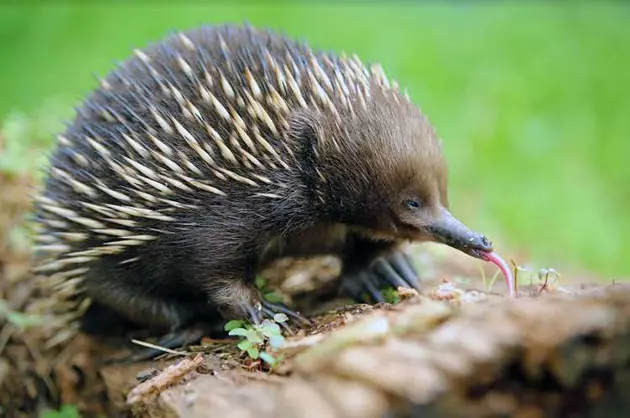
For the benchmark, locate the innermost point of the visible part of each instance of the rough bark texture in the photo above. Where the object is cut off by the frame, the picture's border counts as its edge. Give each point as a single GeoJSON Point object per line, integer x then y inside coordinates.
{"type": "Point", "coordinates": [554, 355]}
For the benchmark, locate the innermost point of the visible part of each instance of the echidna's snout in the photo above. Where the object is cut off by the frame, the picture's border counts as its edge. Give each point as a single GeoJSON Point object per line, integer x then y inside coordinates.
{"type": "Point", "coordinates": [450, 231]}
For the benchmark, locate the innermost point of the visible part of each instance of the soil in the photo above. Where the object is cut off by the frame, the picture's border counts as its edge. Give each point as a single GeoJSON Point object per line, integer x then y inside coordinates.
{"type": "Point", "coordinates": [455, 349]}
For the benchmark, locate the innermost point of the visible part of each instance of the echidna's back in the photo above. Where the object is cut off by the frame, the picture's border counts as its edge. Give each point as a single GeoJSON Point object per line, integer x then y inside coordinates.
{"type": "Point", "coordinates": [188, 125]}
{"type": "Point", "coordinates": [190, 129]}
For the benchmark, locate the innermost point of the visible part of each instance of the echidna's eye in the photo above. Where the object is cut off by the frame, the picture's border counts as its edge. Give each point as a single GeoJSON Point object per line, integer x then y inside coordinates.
{"type": "Point", "coordinates": [413, 204]}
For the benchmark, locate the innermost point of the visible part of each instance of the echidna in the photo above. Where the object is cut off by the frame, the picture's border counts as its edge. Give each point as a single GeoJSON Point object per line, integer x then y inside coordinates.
{"type": "Point", "coordinates": [204, 157]}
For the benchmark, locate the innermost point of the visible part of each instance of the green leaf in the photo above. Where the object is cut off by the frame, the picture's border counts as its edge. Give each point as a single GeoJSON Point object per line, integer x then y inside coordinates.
{"type": "Point", "coordinates": [266, 322]}
{"type": "Point", "coordinates": [240, 332]}
{"type": "Point", "coordinates": [253, 352]}
{"type": "Point", "coordinates": [271, 330]}
{"type": "Point", "coordinates": [254, 336]}
{"type": "Point", "coordinates": [273, 297]}
{"type": "Point", "coordinates": [280, 318]}
{"type": "Point", "coordinates": [260, 282]}
{"type": "Point", "coordinates": [244, 345]}
{"type": "Point", "coordinates": [233, 324]}
{"type": "Point", "coordinates": [390, 295]}
{"type": "Point", "coordinates": [268, 358]}
{"type": "Point", "coordinates": [277, 341]}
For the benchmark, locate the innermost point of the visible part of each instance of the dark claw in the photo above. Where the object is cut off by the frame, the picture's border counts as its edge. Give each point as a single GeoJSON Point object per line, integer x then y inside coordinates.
{"type": "Point", "coordinates": [253, 313]}
{"type": "Point", "coordinates": [278, 307]}
{"type": "Point", "coordinates": [370, 288]}
{"type": "Point", "coordinates": [356, 286]}
{"type": "Point", "coordinates": [397, 270]}
{"type": "Point", "coordinates": [387, 273]}
{"type": "Point", "coordinates": [353, 287]}
{"type": "Point", "coordinates": [403, 264]}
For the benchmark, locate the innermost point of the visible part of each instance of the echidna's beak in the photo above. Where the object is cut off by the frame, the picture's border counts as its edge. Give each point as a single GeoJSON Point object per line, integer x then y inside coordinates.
{"type": "Point", "coordinates": [452, 232]}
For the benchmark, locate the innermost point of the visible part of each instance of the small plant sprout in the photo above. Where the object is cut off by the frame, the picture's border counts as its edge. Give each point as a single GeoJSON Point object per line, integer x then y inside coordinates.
{"type": "Point", "coordinates": [488, 286]}
{"type": "Point", "coordinates": [390, 295]}
{"type": "Point", "coordinates": [543, 276]}
{"type": "Point", "coordinates": [519, 269]}
{"type": "Point", "coordinates": [483, 277]}
{"type": "Point", "coordinates": [255, 337]}
{"type": "Point", "coordinates": [492, 280]}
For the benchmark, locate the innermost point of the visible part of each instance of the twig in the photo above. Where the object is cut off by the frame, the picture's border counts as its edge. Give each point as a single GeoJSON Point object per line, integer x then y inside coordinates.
{"type": "Point", "coordinates": [168, 377]}
{"type": "Point", "coordinates": [157, 347]}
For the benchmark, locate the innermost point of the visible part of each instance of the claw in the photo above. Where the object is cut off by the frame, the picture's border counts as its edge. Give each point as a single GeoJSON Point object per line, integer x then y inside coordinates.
{"type": "Point", "coordinates": [252, 312]}
{"type": "Point", "coordinates": [371, 288]}
{"type": "Point", "coordinates": [278, 307]}
{"type": "Point", "coordinates": [357, 286]}
{"type": "Point", "coordinates": [397, 270]}
{"type": "Point", "coordinates": [352, 287]}
{"type": "Point", "coordinates": [388, 274]}
{"type": "Point", "coordinates": [404, 266]}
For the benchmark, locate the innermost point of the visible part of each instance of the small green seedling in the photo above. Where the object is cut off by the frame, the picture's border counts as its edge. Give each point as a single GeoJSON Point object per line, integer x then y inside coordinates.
{"type": "Point", "coordinates": [488, 286]}
{"type": "Point", "coordinates": [254, 337]}
{"type": "Point", "coordinates": [543, 275]}
{"type": "Point", "coordinates": [492, 280]}
{"type": "Point", "coordinates": [390, 295]}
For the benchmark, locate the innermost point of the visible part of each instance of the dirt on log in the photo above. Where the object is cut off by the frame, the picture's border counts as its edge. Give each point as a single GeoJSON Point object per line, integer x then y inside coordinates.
{"type": "Point", "coordinates": [451, 351]}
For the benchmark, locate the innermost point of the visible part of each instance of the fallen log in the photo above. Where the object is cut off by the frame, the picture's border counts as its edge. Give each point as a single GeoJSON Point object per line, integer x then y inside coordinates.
{"type": "Point", "coordinates": [560, 354]}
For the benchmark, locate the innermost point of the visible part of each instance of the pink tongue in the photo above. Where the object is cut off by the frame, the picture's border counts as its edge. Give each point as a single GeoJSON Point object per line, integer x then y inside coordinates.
{"type": "Point", "coordinates": [502, 265]}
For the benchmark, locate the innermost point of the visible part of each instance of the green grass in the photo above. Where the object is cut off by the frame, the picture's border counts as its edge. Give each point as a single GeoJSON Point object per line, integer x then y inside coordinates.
{"type": "Point", "coordinates": [532, 99]}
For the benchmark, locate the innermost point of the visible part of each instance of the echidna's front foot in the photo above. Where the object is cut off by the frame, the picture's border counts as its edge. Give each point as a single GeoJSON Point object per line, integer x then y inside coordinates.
{"type": "Point", "coordinates": [267, 310]}
{"type": "Point", "coordinates": [397, 269]}
{"type": "Point", "coordinates": [273, 308]}
{"type": "Point", "coordinates": [393, 270]}
{"type": "Point", "coordinates": [362, 287]}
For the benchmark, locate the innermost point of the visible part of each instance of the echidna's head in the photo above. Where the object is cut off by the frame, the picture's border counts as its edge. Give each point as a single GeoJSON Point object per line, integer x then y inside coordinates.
{"type": "Point", "coordinates": [388, 175]}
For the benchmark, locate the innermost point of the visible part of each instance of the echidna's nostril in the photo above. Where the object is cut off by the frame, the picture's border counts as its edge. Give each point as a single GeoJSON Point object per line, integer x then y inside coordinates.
{"type": "Point", "coordinates": [486, 242]}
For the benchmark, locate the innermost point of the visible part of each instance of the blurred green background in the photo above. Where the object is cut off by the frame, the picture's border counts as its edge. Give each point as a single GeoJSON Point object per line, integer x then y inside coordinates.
{"type": "Point", "coordinates": [532, 99]}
